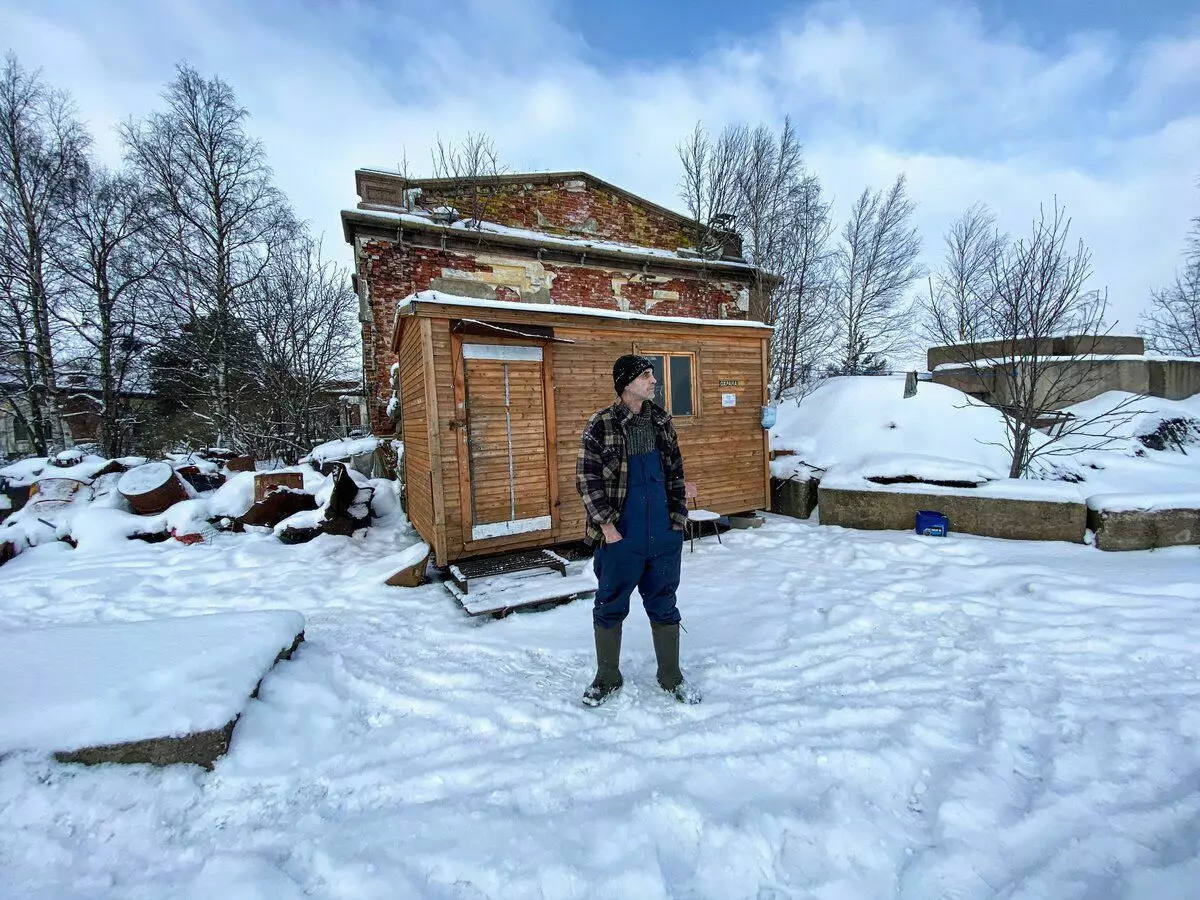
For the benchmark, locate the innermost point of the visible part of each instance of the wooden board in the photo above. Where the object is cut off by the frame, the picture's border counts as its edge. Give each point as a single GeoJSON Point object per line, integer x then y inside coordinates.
{"type": "Point", "coordinates": [501, 594]}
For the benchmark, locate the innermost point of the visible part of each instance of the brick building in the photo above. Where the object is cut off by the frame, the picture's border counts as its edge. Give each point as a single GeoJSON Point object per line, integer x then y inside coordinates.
{"type": "Point", "coordinates": [565, 238]}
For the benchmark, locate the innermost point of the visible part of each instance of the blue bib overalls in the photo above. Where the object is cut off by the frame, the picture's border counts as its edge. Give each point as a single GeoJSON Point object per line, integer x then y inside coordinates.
{"type": "Point", "coordinates": [647, 557]}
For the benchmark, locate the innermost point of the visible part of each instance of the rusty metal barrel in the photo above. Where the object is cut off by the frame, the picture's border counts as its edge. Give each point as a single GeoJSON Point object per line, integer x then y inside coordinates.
{"type": "Point", "coordinates": [151, 488]}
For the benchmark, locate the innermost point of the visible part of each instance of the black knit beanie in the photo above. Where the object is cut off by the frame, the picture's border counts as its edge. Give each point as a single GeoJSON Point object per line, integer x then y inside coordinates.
{"type": "Point", "coordinates": [627, 368]}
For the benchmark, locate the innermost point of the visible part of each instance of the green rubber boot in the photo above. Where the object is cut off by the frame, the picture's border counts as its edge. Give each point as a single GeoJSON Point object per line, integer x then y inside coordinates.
{"type": "Point", "coordinates": [608, 678]}
{"type": "Point", "coordinates": [670, 679]}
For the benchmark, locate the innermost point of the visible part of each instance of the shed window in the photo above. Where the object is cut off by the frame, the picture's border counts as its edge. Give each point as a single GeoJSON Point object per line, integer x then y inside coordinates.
{"type": "Point", "coordinates": [674, 373]}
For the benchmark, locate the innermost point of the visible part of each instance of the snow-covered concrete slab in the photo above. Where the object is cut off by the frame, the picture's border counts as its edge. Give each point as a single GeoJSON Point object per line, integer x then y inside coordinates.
{"type": "Point", "coordinates": [1000, 489]}
{"type": "Point", "coordinates": [163, 690]}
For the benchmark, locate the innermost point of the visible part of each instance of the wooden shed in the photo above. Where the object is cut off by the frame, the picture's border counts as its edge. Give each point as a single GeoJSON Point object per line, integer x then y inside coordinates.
{"type": "Point", "coordinates": [494, 396]}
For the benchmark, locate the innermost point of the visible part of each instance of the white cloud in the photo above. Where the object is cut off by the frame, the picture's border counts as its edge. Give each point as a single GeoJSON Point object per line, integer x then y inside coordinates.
{"type": "Point", "coordinates": [874, 90]}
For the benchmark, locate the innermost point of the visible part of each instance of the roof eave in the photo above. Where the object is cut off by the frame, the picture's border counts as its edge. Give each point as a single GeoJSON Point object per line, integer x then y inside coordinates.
{"type": "Point", "coordinates": [385, 222]}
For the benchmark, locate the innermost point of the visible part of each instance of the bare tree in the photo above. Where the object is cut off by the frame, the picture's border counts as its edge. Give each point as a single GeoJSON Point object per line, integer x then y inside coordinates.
{"type": "Point", "coordinates": [875, 264]}
{"type": "Point", "coordinates": [305, 314]}
{"type": "Point", "coordinates": [109, 256]}
{"type": "Point", "coordinates": [962, 282]}
{"type": "Point", "coordinates": [753, 183]}
{"type": "Point", "coordinates": [1032, 348]}
{"type": "Point", "coordinates": [223, 220]}
{"type": "Point", "coordinates": [767, 185]}
{"type": "Point", "coordinates": [804, 334]}
{"type": "Point", "coordinates": [470, 171]}
{"type": "Point", "coordinates": [42, 154]}
{"type": "Point", "coordinates": [1172, 325]}
{"type": "Point", "coordinates": [711, 169]}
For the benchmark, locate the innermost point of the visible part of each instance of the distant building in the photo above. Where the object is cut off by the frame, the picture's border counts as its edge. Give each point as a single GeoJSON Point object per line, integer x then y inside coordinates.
{"type": "Point", "coordinates": [79, 404]}
{"type": "Point", "coordinates": [1103, 363]}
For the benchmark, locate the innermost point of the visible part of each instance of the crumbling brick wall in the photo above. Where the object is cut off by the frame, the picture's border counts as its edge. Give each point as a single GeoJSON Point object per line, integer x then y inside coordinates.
{"type": "Point", "coordinates": [571, 207]}
{"type": "Point", "coordinates": [393, 271]}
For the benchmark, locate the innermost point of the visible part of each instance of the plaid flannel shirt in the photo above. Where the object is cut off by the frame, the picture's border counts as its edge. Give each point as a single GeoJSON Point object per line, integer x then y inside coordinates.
{"type": "Point", "coordinates": [602, 468]}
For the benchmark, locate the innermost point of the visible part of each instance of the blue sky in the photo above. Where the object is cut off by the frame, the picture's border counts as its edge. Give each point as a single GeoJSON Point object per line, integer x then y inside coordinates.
{"type": "Point", "coordinates": [1015, 104]}
{"type": "Point", "coordinates": [683, 29]}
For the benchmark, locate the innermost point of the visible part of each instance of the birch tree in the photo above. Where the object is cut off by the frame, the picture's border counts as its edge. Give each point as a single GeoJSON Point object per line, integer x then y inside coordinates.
{"type": "Point", "coordinates": [109, 258]}
{"type": "Point", "coordinates": [305, 314]}
{"type": "Point", "coordinates": [42, 156]}
{"type": "Point", "coordinates": [1172, 324]}
{"type": "Point", "coordinates": [223, 220]}
{"type": "Point", "coordinates": [874, 265]}
{"type": "Point", "coordinates": [754, 183]}
{"type": "Point", "coordinates": [962, 282]}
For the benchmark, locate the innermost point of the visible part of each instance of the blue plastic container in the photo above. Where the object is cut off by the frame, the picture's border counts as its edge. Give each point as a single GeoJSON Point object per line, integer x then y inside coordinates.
{"type": "Point", "coordinates": [932, 523]}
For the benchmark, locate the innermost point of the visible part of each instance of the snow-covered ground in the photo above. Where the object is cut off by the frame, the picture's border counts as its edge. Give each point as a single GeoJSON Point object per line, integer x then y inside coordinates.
{"type": "Point", "coordinates": [886, 716]}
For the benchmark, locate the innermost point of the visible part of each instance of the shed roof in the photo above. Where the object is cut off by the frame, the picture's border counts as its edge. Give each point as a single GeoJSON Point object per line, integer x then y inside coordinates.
{"type": "Point", "coordinates": [409, 306]}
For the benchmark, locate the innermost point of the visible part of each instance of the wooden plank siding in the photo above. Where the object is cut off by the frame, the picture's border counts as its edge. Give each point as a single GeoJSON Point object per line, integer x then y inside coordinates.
{"type": "Point", "coordinates": [415, 433]}
{"type": "Point", "coordinates": [724, 448]}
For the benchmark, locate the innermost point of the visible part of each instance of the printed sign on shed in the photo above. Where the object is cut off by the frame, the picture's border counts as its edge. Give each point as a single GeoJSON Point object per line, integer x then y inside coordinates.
{"type": "Point", "coordinates": [729, 400]}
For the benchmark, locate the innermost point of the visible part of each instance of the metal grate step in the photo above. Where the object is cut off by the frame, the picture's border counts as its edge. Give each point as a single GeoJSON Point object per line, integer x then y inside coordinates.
{"type": "Point", "coordinates": [462, 572]}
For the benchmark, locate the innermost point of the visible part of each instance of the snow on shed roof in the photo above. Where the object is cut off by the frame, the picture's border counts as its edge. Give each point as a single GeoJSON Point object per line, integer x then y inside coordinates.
{"type": "Point", "coordinates": [410, 302]}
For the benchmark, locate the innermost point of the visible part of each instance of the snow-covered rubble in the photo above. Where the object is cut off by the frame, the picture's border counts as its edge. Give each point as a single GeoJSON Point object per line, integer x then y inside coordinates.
{"type": "Point", "coordinates": [342, 448]}
{"type": "Point", "coordinates": [72, 504]}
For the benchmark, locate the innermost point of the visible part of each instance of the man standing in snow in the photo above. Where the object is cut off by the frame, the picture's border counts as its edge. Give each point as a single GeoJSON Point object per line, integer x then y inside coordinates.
{"type": "Point", "coordinates": [630, 476]}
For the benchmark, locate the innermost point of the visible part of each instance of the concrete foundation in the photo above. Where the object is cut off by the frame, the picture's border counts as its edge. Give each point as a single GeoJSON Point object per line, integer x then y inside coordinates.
{"type": "Point", "coordinates": [794, 497]}
{"type": "Point", "coordinates": [202, 748]}
{"type": "Point", "coordinates": [1022, 520]}
{"type": "Point", "coordinates": [1144, 530]}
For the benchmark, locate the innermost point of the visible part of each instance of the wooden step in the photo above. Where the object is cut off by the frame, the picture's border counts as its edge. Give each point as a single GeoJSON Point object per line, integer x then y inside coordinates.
{"type": "Point", "coordinates": [464, 571]}
{"type": "Point", "coordinates": [541, 587]}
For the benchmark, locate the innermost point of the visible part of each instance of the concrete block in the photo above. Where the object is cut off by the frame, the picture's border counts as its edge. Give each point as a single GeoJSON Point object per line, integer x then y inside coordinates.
{"type": "Point", "coordinates": [794, 497]}
{"type": "Point", "coordinates": [1141, 529]}
{"type": "Point", "coordinates": [1022, 520]}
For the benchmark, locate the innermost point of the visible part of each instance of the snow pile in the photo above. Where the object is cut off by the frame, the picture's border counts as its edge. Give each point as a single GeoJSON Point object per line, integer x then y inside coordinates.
{"type": "Point", "coordinates": [342, 448]}
{"type": "Point", "coordinates": [96, 529]}
{"type": "Point", "coordinates": [86, 685]}
{"type": "Point", "coordinates": [852, 418]}
{"type": "Point", "coordinates": [234, 497]}
{"type": "Point", "coordinates": [32, 470]}
{"type": "Point", "coordinates": [1129, 430]}
{"type": "Point", "coordinates": [1150, 453]}
{"type": "Point", "coordinates": [898, 466]}
{"type": "Point", "coordinates": [1141, 502]}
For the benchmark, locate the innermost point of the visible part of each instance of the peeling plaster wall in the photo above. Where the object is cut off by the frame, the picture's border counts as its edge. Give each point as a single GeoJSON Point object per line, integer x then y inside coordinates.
{"type": "Point", "coordinates": [393, 271]}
